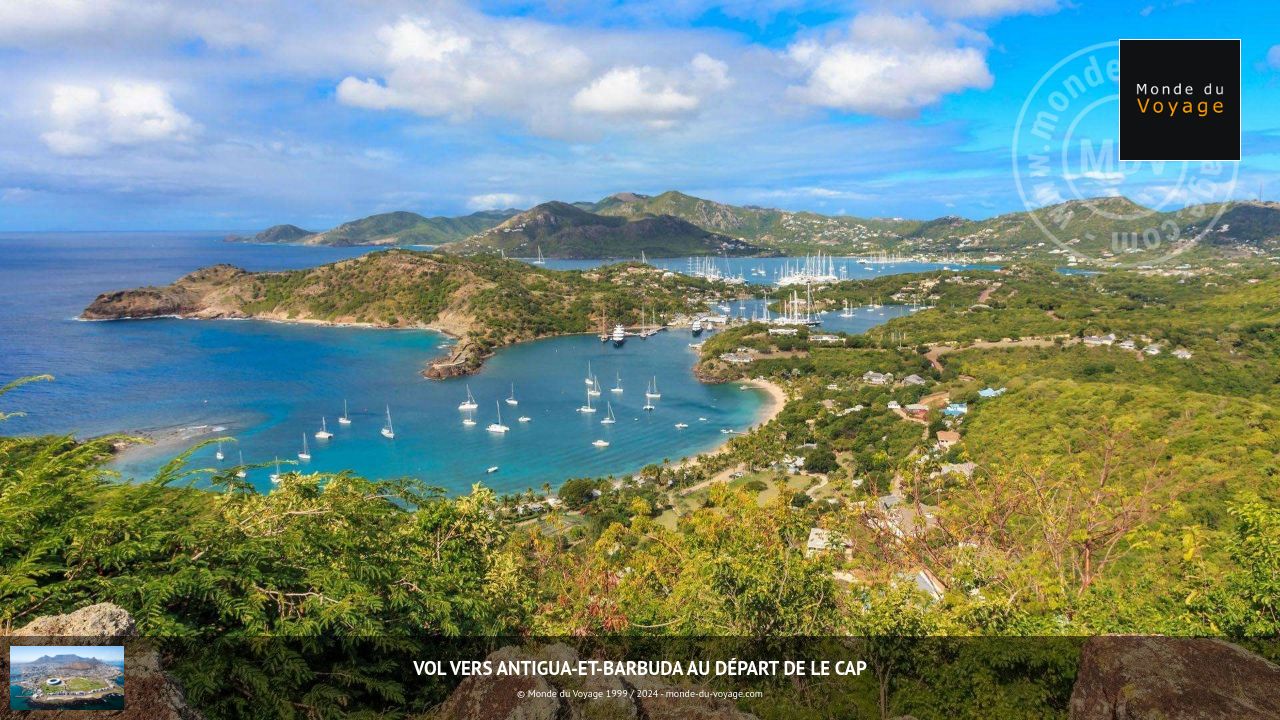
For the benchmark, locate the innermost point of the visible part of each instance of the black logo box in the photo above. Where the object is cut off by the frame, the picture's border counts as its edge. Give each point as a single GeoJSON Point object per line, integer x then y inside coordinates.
{"type": "Point", "coordinates": [1187, 68]}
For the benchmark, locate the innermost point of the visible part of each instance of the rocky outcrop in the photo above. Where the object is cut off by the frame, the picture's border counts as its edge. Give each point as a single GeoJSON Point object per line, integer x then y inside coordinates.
{"type": "Point", "coordinates": [191, 295]}
{"type": "Point", "coordinates": [1148, 678]}
{"type": "Point", "coordinates": [573, 698]}
{"type": "Point", "coordinates": [150, 693]}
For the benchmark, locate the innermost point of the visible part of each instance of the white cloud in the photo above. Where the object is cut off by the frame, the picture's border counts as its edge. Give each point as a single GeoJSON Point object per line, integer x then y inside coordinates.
{"type": "Point", "coordinates": [497, 201]}
{"type": "Point", "coordinates": [86, 120]}
{"type": "Point", "coordinates": [445, 66]}
{"type": "Point", "coordinates": [891, 66]}
{"type": "Point", "coordinates": [652, 95]}
{"type": "Point", "coordinates": [989, 8]}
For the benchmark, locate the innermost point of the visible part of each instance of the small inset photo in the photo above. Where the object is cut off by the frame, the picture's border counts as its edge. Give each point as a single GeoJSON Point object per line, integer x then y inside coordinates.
{"type": "Point", "coordinates": [63, 677]}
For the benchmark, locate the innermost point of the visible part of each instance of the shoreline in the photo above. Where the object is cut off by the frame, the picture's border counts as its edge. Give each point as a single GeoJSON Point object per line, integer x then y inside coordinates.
{"type": "Point", "coordinates": [776, 400]}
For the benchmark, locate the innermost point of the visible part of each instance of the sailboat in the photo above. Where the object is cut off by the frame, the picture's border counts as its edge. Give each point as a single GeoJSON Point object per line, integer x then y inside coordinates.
{"type": "Point", "coordinates": [469, 403]}
{"type": "Point", "coordinates": [512, 400]}
{"type": "Point", "coordinates": [848, 311]}
{"type": "Point", "coordinates": [601, 443]}
{"type": "Point", "coordinates": [498, 427]}
{"type": "Point", "coordinates": [524, 418]}
{"type": "Point", "coordinates": [594, 390]}
{"type": "Point", "coordinates": [218, 455]}
{"type": "Point", "coordinates": [275, 476]}
{"type": "Point", "coordinates": [643, 259]}
{"type": "Point", "coordinates": [469, 420]}
{"type": "Point", "coordinates": [617, 387]}
{"type": "Point", "coordinates": [590, 378]}
{"type": "Point", "coordinates": [541, 260]}
{"type": "Point", "coordinates": [241, 473]}
{"type": "Point", "coordinates": [323, 433]}
{"type": "Point", "coordinates": [305, 454]}
{"type": "Point", "coordinates": [388, 431]}
{"type": "Point", "coordinates": [346, 416]}
{"type": "Point", "coordinates": [648, 395]}
{"type": "Point", "coordinates": [652, 393]}
{"type": "Point", "coordinates": [681, 426]}
{"type": "Point", "coordinates": [587, 408]}
{"type": "Point", "coordinates": [610, 419]}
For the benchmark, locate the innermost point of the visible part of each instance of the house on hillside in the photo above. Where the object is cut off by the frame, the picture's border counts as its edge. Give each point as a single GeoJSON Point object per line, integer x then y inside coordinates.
{"type": "Point", "coordinates": [1182, 354]}
{"type": "Point", "coordinates": [822, 540]}
{"type": "Point", "coordinates": [991, 392]}
{"type": "Point", "coordinates": [871, 377]}
{"type": "Point", "coordinates": [929, 583]}
{"type": "Point", "coordinates": [1100, 340]}
{"type": "Point", "coordinates": [964, 469]}
{"type": "Point", "coordinates": [955, 409]}
{"type": "Point", "coordinates": [947, 438]}
{"type": "Point", "coordinates": [913, 380]}
{"type": "Point", "coordinates": [917, 410]}
{"type": "Point", "coordinates": [1152, 349]}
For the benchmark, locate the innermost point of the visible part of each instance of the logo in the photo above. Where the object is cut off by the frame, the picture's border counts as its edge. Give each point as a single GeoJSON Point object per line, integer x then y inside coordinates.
{"type": "Point", "coordinates": [1083, 197]}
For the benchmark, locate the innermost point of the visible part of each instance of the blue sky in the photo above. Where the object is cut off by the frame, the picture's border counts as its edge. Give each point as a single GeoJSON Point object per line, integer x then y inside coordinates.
{"type": "Point", "coordinates": [181, 114]}
{"type": "Point", "coordinates": [105, 653]}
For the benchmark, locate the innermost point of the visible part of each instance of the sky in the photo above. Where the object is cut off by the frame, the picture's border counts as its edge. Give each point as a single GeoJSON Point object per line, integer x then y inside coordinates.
{"type": "Point", "coordinates": [236, 115]}
{"type": "Point", "coordinates": [105, 653]}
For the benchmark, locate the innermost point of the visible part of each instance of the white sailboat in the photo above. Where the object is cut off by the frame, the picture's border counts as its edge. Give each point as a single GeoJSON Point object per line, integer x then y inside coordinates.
{"type": "Point", "coordinates": [601, 443]}
{"type": "Point", "coordinates": [275, 476]}
{"type": "Point", "coordinates": [523, 418]}
{"type": "Point", "coordinates": [241, 473]}
{"type": "Point", "coordinates": [587, 408]}
{"type": "Point", "coordinates": [590, 378]}
{"type": "Point", "coordinates": [469, 420]}
{"type": "Point", "coordinates": [388, 431]}
{"type": "Point", "coordinates": [512, 400]}
{"type": "Point", "coordinates": [541, 260]}
{"type": "Point", "coordinates": [681, 426]}
{"type": "Point", "coordinates": [323, 433]}
{"type": "Point", "coordinates": [218, 455]}
{"type": "Point", "coordinates": [346, 416]}
{"type": "Point", "coordinates": [617, 387]}
{"type": "Point", "coordinates": [609, 419]}
{"type": "Point", "coordinates": [594, 389]}
{"type": "Point", "coordinates": [305, 454]}
{"type": "Point", "coordinates": [469, 403]}
{"type": "Point", "coordinates": [498, 427]}
{"type": "Point", "coordinates": [652, 393]}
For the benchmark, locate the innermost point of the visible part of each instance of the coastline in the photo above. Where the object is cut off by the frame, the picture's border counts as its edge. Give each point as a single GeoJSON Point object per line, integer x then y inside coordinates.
{"type": "Point", "coordinates": [776, 400]}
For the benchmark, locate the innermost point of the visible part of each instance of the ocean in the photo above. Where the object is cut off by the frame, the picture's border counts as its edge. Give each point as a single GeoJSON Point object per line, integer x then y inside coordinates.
{"type": "Point", "coordinates": [268, 385]}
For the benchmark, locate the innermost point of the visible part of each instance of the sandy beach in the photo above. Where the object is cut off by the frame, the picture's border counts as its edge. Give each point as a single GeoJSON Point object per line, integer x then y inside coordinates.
{"type": "Point", "coordinates": [777, 399]}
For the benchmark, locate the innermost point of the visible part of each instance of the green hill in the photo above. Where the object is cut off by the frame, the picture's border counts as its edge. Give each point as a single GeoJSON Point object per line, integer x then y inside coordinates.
{"type": "Point", "coordinates": [562, 230]}
{"type": "Point", "coordinates": [393, 228]}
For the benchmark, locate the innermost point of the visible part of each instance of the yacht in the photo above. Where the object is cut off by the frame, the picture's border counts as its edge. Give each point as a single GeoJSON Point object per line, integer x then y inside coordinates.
{"type": "Point", "coordinates": [697, 327]}
{"type": "Point", "coordinates": [601, 443]}
{"type": "Point", "coordinates": [275, 476]}
{"type": "Point", "coordinates": [469, 403]}
{"type": "Point", "coordinates": [523, 418]}
{"type": "Point", "coordinates": [241, 473]}
{"type": "Point", "coordinates": [218, 455]}
{"type": "Point", "coordinates": [594, 390]}
{"type": "Point", "coordinates": [512, 400]}
{"type": "Point", "coordinates": [346, 416]}
{"type": "Point", "coordinates": [469, 420]}
{"type": "Point", "coordinates": [498, 427]}
{"type": "Point", "coordinates": [617, 387]}
{"type": "Point", "coordinates": [541, 260]}
{"type": "Point", "coordinates": [323, 433]}
{"type": "Point", "coordinates": [492, 469]}
{"type": "Point", "coordinates": [590, 378]}
{"type": "Point", "coordinates": [609, 419]}
{"type": "Point", "coordinates": [681, 426]}
{"type": "Point", "coordinates": [587, 408]}
{"type": "Point", "coordinates": [305, 454]}
{"type": "Point", "coordinates": [388, 431]}
{"type": "Point", "coordinates": [619, 335]}
{"type": "Point", "coordinates": [652, 393]}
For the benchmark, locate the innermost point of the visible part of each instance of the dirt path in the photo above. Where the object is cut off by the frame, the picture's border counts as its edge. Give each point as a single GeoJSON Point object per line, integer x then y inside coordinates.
{"type": "Point", "coordinates": [986, 294]}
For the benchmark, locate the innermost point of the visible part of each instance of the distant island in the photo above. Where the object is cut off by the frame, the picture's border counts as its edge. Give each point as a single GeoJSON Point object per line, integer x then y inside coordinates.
{"type": "Point", "coordinates": [66, 681]}
{"type": "Point", "coordinates": [676, 224]}
{"type": "Point", "coordinates": [484, 301]}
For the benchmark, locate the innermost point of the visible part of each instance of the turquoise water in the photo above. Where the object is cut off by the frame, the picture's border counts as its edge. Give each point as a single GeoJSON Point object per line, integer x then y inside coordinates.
{"type": "Point", "coordinates": [269, 383]}
{"type": "Point", "coordinates": [846, 267]}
